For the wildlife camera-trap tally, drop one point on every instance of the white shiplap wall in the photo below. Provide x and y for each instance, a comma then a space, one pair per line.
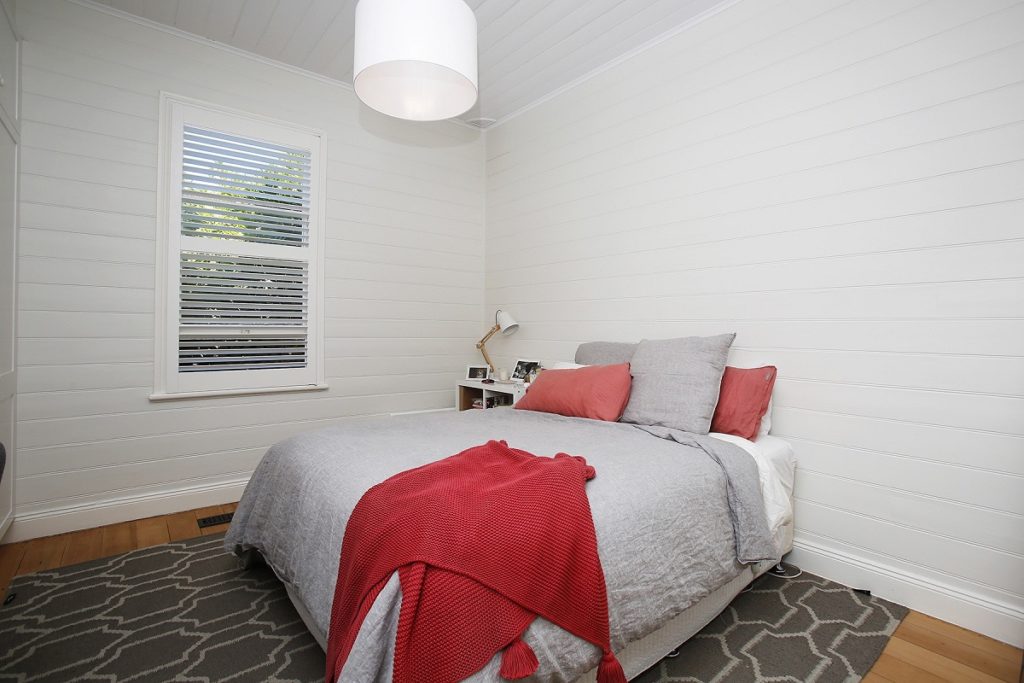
841, 183
404, 269
9, 137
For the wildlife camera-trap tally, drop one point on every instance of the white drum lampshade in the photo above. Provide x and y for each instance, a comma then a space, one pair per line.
415, 59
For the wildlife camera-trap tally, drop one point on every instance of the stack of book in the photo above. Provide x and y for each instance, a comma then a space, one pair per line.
492, 402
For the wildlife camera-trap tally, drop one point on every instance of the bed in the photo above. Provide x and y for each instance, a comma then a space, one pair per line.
673, 512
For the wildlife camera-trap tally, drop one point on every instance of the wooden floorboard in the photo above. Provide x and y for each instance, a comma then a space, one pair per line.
10, 560
970, 638
959, 651
43, 553
151, 531
83, 546
935, 663
872, 677
119, 538
923, 649
182, 525
893, 669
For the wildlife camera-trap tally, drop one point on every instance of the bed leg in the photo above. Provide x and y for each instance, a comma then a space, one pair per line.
250, 558
783, 572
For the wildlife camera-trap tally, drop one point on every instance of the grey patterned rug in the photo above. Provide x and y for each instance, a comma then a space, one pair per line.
186, 612
801, 629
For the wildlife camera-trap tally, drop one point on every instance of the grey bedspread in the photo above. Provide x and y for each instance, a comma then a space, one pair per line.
672, 515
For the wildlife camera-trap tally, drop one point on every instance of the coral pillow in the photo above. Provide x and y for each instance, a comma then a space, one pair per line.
743, 400
599, 392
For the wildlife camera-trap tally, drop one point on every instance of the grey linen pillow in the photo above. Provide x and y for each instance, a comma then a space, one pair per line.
676, 382
604, 353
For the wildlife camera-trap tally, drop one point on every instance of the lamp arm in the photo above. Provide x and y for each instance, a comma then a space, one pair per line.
487, 358
490, 333
483, 348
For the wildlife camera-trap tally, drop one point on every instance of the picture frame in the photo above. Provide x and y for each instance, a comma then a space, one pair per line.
523, 369
478, 372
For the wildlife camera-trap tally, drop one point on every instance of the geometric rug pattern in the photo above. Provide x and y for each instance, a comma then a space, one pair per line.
185, 611
801, 629
177, 612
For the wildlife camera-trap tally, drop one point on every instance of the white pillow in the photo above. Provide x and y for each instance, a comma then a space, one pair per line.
565, 365
766, 422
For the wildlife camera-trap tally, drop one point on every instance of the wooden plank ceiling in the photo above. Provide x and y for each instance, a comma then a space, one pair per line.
528, 48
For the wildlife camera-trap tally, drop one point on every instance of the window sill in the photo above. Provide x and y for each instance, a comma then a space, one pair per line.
158, 396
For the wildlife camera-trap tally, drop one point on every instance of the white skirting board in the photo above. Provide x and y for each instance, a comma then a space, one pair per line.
996, 619
48, 522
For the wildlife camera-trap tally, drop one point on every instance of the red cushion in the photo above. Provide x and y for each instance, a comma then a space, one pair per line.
599, 392
743, 400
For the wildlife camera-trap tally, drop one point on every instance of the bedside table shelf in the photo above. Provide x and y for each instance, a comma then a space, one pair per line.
473, 394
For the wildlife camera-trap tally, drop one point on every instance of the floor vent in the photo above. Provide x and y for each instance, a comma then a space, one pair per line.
215, 520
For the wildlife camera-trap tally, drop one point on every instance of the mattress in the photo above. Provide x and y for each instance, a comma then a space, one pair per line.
776, 465
662, 511
776, 462
642, 654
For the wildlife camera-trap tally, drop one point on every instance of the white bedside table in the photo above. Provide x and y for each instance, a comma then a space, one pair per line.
489, 395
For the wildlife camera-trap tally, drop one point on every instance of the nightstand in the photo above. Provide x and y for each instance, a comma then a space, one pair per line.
472, 393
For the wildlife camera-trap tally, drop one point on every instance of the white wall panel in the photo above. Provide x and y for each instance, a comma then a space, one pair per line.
98, 146
842, 184
10, 136
974, 523
403, 286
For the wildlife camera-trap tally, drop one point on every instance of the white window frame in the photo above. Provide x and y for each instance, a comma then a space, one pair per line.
175, 112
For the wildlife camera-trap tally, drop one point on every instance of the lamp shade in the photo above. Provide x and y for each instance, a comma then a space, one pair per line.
506, 322
415, 59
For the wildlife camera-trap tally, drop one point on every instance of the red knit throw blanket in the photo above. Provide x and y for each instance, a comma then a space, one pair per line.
483, 541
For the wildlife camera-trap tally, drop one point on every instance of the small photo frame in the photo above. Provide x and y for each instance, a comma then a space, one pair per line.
524, 368
478, 372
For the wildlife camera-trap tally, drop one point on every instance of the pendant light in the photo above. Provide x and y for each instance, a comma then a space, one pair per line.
415, 59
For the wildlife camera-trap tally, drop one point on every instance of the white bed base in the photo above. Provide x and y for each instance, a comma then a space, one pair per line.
642, 654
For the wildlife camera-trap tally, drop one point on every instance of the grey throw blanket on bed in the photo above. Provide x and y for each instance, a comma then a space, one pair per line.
749, 524
670, 515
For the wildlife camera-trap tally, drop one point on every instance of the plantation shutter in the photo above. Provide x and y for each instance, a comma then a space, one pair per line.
221, 295
243, 262
244, 189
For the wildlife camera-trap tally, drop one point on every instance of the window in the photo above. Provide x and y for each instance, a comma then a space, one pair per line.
241, 223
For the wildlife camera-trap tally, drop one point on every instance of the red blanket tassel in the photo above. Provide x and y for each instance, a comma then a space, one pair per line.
518, 660
609, 670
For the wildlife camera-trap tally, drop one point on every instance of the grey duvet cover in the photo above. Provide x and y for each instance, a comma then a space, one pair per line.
674, 513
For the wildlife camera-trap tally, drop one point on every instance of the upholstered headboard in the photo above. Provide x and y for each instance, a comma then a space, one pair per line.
604, 353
